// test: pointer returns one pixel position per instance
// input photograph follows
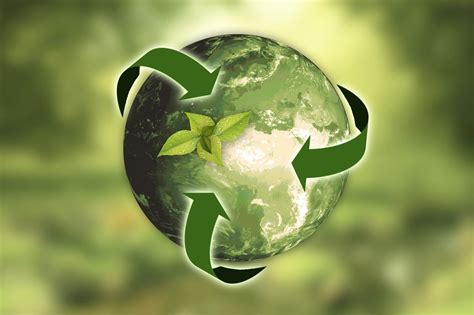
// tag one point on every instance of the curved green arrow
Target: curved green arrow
(202, 218)
(310, 163)
(183, 69)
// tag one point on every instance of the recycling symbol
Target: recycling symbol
(205, 136)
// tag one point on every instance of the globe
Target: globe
(289, 100)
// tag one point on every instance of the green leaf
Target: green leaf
(215, 155)
(206, 143)
(231, 127)
(180, 143)
(207, 131)
(197, 122)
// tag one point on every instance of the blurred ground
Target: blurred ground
(73, 240)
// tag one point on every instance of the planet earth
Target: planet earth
(289, 99)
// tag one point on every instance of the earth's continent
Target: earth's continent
(289, 99)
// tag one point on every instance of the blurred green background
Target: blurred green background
(73, 240)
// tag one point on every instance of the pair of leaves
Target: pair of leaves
(206, 136)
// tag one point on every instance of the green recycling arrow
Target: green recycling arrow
(186, 71)
(310, 163)
(202, 218)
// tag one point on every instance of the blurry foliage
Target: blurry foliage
(73, 240)
(435, 38)
(52, 59)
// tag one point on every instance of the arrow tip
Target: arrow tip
(210, 202)
(298, 163)
(205, 86)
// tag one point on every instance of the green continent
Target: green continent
(289, 99)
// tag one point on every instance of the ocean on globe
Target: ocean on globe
(289, 100)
